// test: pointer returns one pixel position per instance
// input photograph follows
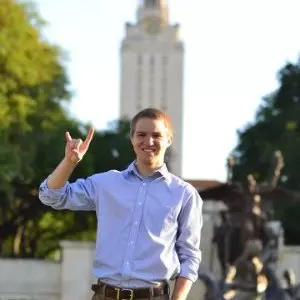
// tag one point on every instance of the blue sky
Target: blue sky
(233, 50)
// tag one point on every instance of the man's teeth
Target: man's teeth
(148, 150)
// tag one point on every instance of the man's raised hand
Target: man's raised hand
(76, 148)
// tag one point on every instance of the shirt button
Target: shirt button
(135, 223)
(144, 183)
(131, 242)
(140, 203)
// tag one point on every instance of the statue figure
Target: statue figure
(249, 209)
(247, 240)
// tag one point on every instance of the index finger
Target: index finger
(68, 136)
(90, 135)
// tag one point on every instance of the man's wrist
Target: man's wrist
(181, 288)
(69, 162)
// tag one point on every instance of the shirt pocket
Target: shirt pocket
(160, 216)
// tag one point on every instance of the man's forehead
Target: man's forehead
(150, 123)
(151, 128)
(150, 131)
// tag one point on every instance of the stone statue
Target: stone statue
(249, 210)
(247, 239)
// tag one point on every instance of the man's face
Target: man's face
(150, 141)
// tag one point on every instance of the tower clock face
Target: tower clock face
(152, 25)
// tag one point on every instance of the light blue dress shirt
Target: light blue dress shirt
(148, 228)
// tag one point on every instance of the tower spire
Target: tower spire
(158, 8)
(153, 3)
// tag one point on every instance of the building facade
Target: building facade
(152, 57)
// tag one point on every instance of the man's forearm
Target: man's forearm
(61, 174)
(181, 288)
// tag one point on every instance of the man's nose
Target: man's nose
(150, 140)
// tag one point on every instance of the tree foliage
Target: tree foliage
(277, 126)
(33, 87)
(31, 80)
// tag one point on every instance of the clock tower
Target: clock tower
(152, 70)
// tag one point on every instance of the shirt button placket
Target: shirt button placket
(136, 220)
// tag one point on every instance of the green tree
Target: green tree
(33, 87)
(34, 230)
(29, 69)
(277, 126)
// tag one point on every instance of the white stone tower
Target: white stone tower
(152, 70)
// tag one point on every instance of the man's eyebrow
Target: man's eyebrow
(154, 132)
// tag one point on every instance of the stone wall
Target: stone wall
(29, 279)
(71, 279)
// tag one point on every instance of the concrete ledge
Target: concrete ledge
(292, 249)
(77, 244)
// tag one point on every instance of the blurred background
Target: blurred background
(228, 73)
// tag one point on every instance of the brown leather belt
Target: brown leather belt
(118, 293)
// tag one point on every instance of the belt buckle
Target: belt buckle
(119, 290)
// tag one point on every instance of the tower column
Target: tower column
(152, 70)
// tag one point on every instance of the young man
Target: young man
(149, 221)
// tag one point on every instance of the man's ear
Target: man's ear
(170, 140)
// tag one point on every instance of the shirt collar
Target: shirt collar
(163, 171)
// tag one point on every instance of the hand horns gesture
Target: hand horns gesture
(76, 148)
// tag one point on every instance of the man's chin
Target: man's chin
(149, 161)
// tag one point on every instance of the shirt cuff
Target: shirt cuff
(50, 196)
(189, 269)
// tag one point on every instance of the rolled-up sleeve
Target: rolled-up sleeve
(79, 195)
(189, 235)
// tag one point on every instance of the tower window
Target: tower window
(139, 86)
(140, 59)
(151, 60)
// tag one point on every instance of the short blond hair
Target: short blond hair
(151, 113)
